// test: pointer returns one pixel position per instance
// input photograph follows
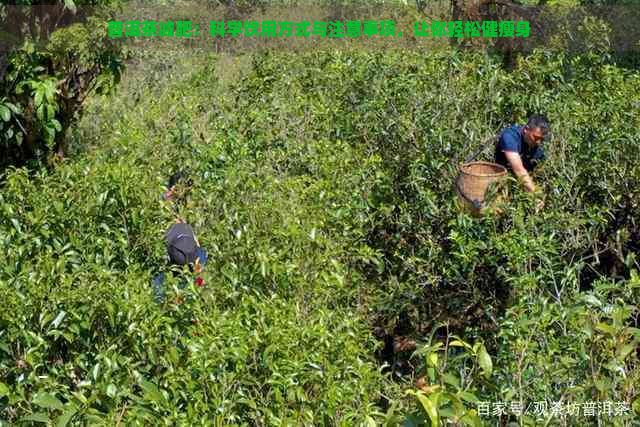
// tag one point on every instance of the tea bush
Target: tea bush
(427, 262)
(83, 339)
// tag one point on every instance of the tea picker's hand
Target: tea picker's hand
(168, 195)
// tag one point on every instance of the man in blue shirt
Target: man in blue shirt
(519, 148)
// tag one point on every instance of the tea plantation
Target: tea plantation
(344, 285)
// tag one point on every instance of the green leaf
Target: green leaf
(80, 397)
(5, 113)
(413, 420)
(431, 372)
(152, 392)
(111, 390)
(485, 361)
(49, 91)
(58, 319)
(47, 401)
(607, 329)
(38, 98)
(455, 401)
(64, 419)
(447, 412)
(602, 385)
(451, 379)
(4, 390)
(12, 107)
(93, 419)
(625, 350)
(592, 300)
(16, 225)
(471, 419)
(96, 371)
(636, 406)
(38, 417)
(459, 343)
(370, 422)
(469, 397)
(433, 359)
(429, 407)
(56, 125)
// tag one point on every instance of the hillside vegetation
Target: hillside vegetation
(323, 193)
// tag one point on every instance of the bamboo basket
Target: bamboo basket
(472, 183)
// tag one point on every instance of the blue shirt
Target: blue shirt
(512, 139)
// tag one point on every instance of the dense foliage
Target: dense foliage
(47, 71)
(570, 270)
(322, 190)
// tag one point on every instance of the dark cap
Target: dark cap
(181, 244)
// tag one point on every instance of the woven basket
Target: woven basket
(473, 181)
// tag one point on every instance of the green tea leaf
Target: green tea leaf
(96, 371)
(38, 417)
(370, 422)
(38, 98)
(429, 408)
(472, 419)
(485, 361)
(111, 390)
(152, 392)
(607, 329)
(433, 359)
(592, 300)
(455, 401)
(451, 379)
(58, 319)
(625, 350)
(5, 113)
(48, 401)
(64, 419)
(458, 343)
(12, 107)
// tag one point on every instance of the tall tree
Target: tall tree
(52, 56)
